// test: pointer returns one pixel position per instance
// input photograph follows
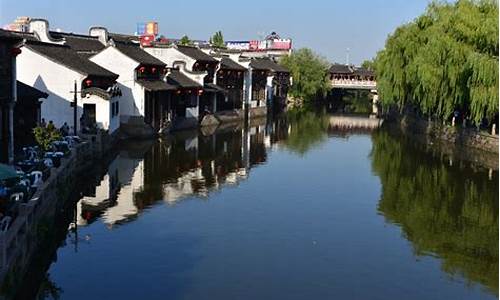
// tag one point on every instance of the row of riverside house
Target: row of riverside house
(130, 90)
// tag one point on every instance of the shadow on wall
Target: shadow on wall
(127, 102)
(58, 106)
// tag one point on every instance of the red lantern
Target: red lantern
(88, 82)
(153, 69)
(189, 91)
(200, 92)
(178, 92)
(142, 69)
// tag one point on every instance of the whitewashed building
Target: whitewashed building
(52, 66)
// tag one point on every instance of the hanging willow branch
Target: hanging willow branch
(445, 60)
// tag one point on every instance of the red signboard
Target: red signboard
(147, 40)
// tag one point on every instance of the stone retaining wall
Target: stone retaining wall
(467, 144)
(19, 244)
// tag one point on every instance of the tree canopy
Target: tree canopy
(217, 40)
(308, 71)
(185, 41)
(445, 60)
(450, 212)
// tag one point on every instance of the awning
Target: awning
(7, 172)
(213, 88)
(156, 85)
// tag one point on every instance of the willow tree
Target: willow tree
(308, 71)
(445, 60)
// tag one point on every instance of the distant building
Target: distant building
(272, 46)
(20, 24)
(349, 76)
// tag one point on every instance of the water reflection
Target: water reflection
(189, 164)
(446, 210)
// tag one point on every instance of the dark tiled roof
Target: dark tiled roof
(135, 52)
(229, 64)
(83, 44)
(96, 91)
(123, 38)
(69, 58)
(363, 72)
(341, 69)
(156, 85)
(196, 54)
(267, 64)
(211, 87)
(25, 35)
(175, 77)
(9, 35)
(26, 91)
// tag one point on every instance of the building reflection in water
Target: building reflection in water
(188, 164)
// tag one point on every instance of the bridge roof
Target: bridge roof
(363, 72)
(341, 69)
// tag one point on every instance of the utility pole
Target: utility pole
(75, 110)
(347, 56)
(74, 104)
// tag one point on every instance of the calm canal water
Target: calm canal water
(284, 210)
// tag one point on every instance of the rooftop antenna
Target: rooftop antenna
(347, 56)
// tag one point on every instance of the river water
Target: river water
(285, 209)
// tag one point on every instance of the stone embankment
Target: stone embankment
(468, 144)
(20, 243)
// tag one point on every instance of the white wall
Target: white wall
(171, 55)
(54, 79)
(104, 118)
(269, 88)
(132, 100)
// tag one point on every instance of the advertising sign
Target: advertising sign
(238, 45)
(141, 28)
(149, 28)
(152, 28)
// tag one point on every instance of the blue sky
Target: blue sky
(328, 27)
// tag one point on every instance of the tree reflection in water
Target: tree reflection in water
(443, 210)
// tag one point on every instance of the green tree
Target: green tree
(306, 130)
(444, 60)
(449, 212)
(217, 40)
(185, 41)
(45, 136)
(309, 74)
(368, 64)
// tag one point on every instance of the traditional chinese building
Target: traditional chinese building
(231, 77)
(145, 95)
(9, 49)
(27, 114)
(198, 66)
(51, 65)
(269, 85)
